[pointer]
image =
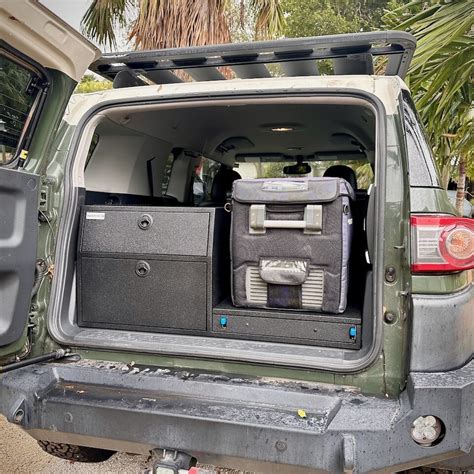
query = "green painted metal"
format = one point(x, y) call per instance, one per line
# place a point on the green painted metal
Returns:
point(441, 284)
point(41, 149)
point(384, 378)
point(10, 352)
point(367, 382)
point(396, 230)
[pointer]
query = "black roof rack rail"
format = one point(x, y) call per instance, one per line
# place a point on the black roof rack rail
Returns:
point(350, 54)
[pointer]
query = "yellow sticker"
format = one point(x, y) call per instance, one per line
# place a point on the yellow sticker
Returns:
point(23, 154)
point(301, 413)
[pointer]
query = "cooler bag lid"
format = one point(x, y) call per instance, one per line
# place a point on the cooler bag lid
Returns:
point(290, 190)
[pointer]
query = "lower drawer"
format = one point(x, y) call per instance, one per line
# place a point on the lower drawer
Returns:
point(287, 328)
point(142, 294)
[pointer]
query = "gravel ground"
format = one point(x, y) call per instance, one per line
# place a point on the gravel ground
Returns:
point(19, 453)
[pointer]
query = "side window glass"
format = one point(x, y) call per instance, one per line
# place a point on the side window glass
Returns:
point(203, 177)
point(421, 164)
point(18, 92)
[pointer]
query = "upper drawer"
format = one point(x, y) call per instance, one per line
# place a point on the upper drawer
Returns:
point(144, 230)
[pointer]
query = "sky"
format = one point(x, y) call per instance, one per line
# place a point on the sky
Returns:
point(71, 11)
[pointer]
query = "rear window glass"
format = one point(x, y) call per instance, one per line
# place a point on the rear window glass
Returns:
point(17, 98)
point(422, 167)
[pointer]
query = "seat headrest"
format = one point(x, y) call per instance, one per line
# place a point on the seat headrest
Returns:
point(222, 184)
point(344, 172)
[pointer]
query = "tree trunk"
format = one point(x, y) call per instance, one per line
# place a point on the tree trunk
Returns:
point(445, 173)
point(461, 185)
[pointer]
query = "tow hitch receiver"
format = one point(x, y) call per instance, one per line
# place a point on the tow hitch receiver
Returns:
point(170, 461)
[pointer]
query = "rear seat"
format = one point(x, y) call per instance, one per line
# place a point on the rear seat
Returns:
point(221, 187)
point(119, 199)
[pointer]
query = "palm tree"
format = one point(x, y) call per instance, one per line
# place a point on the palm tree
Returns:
point(440, 77)
point(176, 23)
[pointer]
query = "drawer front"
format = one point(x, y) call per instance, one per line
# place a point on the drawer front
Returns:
point(142, 294)
point(287, 329)
point(144, 231)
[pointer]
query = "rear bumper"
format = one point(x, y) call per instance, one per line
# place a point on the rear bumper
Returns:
point(248, 423)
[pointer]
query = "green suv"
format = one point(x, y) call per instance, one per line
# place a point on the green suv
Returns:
point(117, 327)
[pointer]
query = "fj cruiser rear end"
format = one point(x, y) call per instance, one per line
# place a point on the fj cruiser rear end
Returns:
point(115, 257)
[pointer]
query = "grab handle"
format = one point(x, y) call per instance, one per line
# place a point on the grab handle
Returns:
point(311, 223)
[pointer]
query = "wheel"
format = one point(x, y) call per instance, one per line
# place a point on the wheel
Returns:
point(72, 452)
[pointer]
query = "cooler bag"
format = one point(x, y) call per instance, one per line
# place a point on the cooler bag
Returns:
point(290, 243)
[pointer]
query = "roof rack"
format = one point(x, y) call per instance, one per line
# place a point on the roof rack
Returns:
point(349, 53)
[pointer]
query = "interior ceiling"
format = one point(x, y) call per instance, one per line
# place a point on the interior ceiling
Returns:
point(316, 128)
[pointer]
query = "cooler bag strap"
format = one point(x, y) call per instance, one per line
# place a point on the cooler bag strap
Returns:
point(311, 224)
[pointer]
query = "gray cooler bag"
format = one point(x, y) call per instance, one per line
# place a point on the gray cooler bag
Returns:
point(291, 239)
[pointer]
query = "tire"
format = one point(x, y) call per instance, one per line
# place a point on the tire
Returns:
point(75, 453)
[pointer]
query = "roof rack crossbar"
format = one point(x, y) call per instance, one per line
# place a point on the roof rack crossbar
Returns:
point(350, 53)
point(307, 67)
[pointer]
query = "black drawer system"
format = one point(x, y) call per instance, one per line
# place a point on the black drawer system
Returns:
point(159, 269)
point(316, 329)
point(150, 269)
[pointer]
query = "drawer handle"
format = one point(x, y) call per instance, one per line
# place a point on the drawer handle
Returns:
point(142, 269)
point(145, 221)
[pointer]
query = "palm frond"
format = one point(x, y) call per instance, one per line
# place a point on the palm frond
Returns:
point(441, 73)
point(102, 17)
point(269, 17)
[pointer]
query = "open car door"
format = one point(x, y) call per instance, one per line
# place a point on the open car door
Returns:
point(41, 61)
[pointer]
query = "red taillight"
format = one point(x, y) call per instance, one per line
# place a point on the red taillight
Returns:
point(441, 243)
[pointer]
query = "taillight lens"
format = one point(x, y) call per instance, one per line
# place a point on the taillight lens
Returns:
point(441, 243)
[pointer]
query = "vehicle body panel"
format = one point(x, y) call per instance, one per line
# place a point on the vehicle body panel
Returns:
point(37, 41)
point(43, 37)
point(259, 88)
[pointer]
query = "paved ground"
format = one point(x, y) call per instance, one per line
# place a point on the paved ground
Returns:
point(19, 453)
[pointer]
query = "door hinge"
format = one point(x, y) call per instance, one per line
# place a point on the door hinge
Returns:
point(46, 209)
point(36, 84)
point(405, 303)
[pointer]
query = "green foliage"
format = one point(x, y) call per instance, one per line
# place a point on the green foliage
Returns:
point(327, 17)
point(440, 76)
point(103, 17)
point(90, 84)
point(273, 170)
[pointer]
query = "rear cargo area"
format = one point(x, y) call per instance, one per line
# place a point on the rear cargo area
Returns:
point(172, 238)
